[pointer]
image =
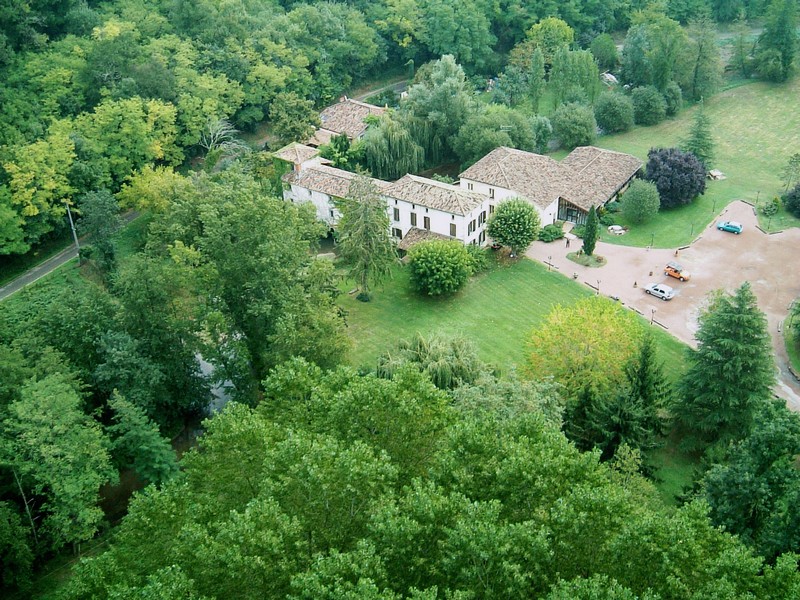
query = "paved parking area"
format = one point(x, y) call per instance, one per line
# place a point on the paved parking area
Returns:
point(716, 259)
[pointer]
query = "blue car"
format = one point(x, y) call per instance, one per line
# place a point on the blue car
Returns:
point(732, 226)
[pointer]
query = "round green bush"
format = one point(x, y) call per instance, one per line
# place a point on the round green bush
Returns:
point(614, 112)
point(551, 233)
point(649, 106)
point(574, 125)
point(641, 201)
point(791, 201)
point(439, 267)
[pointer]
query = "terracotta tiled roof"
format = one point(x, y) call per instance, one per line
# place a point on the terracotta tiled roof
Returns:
point(327, 180)
point(321, 136)
point(416, 235)
point(348, 117)
point(296, 153)
point(434, 194)
point(587, 177)
point(537, 178)
point(595, 175)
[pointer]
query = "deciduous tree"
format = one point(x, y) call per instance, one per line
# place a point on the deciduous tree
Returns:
point(60, 455)
point(640, 202)
point(293, 118)
point(390, 150)
point(679, 176)
point(778, 43)
point(574, 125)
point(515, 223)
point(649, 106)
point(613, 112)
point(439, 267)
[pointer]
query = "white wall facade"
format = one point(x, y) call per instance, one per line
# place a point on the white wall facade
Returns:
point(322, 202)
point(469, 228)
point(497, 194)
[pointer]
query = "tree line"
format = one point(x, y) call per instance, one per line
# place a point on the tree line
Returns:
point(97, 90)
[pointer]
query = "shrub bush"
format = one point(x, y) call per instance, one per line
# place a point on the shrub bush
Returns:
point(480, 258)
point(768, 209)
point(439, 267)
point(679, 176)
point(791, 201)
point(641, 201)
point(649, 106)
point(613, 112)
point(551, 233)
point(574, 125)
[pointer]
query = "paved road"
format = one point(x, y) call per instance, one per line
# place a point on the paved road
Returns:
point(37, 272)
point(716, 260)
point(50, 265)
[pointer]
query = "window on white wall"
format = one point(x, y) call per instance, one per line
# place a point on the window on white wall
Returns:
point(491, 192)
point(452, 230)
point(427, 223)
point(413, 219)
point(469, 186)
point(398, 233)
point(396, 215)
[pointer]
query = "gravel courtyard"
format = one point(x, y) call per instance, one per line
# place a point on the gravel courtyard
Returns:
point(716, 259)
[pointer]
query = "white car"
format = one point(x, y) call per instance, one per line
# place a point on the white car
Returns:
point(616, 229)
point(659, 290)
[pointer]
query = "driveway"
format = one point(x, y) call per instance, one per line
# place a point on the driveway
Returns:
point(716, 260)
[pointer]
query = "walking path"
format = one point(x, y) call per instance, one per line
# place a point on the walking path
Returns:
point(716, 260)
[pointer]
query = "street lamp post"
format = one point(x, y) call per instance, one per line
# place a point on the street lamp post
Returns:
point(652, 315)
point(714, 206)
point(652, 239)
point(549, 261)
point(74, 233)
point(598, 288)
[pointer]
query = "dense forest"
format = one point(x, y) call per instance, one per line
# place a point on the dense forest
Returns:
point(430, 474)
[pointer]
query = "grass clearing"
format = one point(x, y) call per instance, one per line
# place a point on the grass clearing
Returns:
point(673, 471)
point(756, 128)
point(496, 311)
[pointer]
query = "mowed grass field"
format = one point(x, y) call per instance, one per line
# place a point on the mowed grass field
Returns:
point(497, 311)
point(756, 128)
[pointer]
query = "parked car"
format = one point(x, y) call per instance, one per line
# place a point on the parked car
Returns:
point(677, 271)
point(660, 290)
point(732, 226)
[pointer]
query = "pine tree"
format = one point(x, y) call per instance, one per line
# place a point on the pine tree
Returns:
point(700, 142)
point(590, 232)
point(364, 241)
point(731, 373)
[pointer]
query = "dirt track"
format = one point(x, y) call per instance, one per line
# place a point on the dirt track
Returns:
point(716, 260)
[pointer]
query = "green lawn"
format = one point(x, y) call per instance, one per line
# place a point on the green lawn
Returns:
point(496, 310)
point(756, 129)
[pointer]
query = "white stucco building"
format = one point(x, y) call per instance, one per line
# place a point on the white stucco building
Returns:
point(420, 208)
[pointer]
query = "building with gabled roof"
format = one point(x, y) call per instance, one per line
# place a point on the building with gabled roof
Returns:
point(564, 190)
point(347, 117)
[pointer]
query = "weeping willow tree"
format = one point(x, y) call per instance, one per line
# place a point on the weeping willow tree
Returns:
point(364, 242)
point(448, 361)
point(390, 150)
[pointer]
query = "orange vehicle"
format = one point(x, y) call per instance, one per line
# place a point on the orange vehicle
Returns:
point(677, 271)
